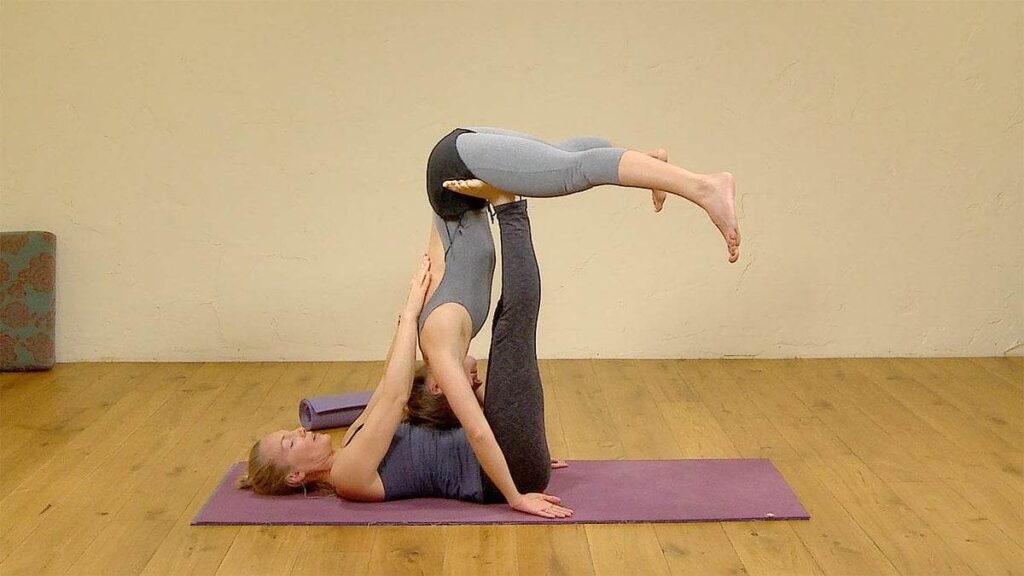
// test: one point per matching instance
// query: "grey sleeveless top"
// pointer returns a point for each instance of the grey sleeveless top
(427, 463)
(469, 266)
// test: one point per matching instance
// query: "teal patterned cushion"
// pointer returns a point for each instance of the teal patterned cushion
(28, 270)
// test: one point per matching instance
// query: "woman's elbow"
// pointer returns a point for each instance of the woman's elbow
(476, 434)
(399, 398)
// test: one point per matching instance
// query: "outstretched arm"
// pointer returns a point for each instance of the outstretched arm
(355, 467)
(451, 378)
(434, 266)
(399, 340)
(453, 382)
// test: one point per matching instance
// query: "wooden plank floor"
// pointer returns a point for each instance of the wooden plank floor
(908, 466)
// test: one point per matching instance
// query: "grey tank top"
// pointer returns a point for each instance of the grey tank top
(427, 463)
(468, 266)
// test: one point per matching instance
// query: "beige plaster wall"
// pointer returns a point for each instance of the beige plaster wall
(235, 181)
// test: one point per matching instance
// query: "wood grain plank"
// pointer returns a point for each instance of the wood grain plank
(688, 431)
(480, 550)
(330, 549)
(584, 413)
(35, 434)
(97, 460)
(664, 382)
(560, 550)
(899, 477)
(17, 385)
(833, 539)
(223, 437)
(275, 549)
(978, 484)
(698, 548)
(148, 495)
(553, 549)
(997, 407)
(635, 416)
(258, 550)
(884, 465)
(408, 550)
(1004, 368)
(958, 428)
(29, 402)
(624, 549)
(552, 414)
(696, 431)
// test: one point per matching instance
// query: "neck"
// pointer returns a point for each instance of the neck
(322, 474)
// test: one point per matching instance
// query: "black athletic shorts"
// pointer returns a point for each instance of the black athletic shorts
(445, 164)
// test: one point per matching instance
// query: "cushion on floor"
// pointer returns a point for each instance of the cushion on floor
(28, 270)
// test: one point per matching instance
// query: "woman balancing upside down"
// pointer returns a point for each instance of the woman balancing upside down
(500, 451)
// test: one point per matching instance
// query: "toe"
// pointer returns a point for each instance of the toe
(658, 201)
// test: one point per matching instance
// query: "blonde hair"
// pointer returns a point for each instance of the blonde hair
(425, 408)
(265, 477)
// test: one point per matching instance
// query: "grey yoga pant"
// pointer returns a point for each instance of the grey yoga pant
(514, 403)
(517, 163)
(528, 166)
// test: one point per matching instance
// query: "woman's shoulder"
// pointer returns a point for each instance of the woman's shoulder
(346, 486)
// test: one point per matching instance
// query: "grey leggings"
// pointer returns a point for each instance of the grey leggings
(514, 403)
(528, 166)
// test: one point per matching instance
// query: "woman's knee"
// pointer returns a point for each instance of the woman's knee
(538, 479)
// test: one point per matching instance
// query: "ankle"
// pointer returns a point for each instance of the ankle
(702, 187)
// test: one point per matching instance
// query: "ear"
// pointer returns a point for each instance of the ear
(295, 479)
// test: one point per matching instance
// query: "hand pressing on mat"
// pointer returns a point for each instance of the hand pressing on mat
(544, 505)
(556, 464)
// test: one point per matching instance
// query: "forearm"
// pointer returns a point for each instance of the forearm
(493, 462)
(380, 385)
(391, 384)
(400, 366)
(457, 388)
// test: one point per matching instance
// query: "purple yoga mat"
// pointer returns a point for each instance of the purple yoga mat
(598, 491)
(332, 411)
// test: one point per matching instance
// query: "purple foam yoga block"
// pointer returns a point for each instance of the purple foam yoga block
(332, 411)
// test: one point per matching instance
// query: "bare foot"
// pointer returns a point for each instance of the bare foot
(658, 196)
(720, 205)
(480, 189)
